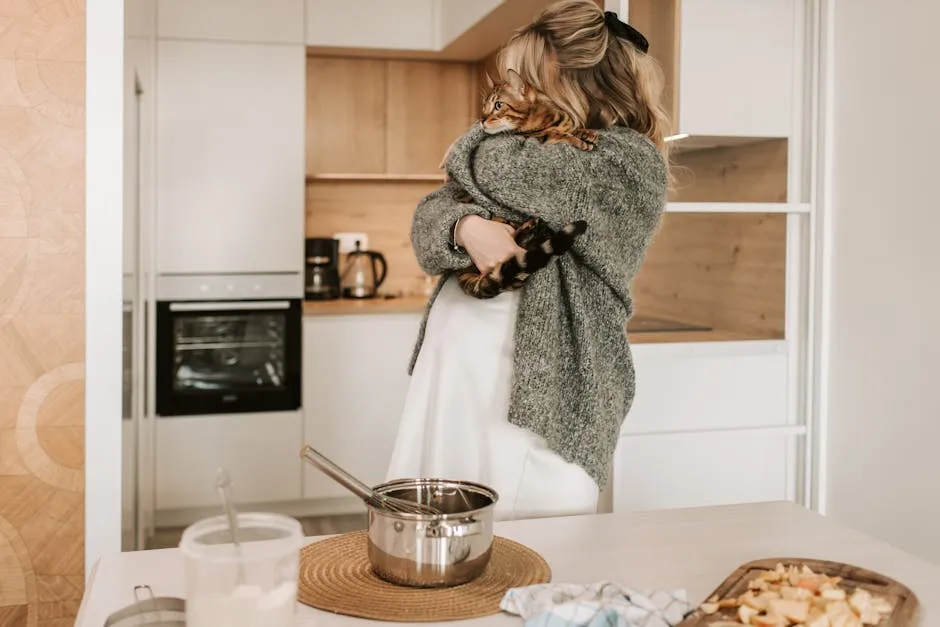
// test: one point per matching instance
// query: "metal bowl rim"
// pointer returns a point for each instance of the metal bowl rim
(479, 488)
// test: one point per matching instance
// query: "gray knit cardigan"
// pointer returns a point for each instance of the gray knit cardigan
(573, 378)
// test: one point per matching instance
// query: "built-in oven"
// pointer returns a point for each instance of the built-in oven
(238, 356)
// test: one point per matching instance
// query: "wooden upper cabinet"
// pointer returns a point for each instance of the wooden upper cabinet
(380, 117)
(346, 111)
(258, 21)
(429, 106)
(729, 64)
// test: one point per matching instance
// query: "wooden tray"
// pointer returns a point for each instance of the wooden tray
(906, 607)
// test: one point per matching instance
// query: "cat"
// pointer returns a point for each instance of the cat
(513, 106)
(540, 244)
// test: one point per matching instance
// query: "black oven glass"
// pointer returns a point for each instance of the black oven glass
(242, 358)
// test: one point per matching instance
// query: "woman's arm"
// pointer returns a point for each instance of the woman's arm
(521, 174)
(554, 181)
(432, 230)
(619, 189)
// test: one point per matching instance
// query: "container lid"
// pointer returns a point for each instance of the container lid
(261, 536)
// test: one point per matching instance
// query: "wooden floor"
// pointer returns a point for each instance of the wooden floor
(169, 537)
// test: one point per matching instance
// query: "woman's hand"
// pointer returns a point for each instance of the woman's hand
(488, 243)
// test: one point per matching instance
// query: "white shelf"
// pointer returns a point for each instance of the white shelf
(697, 434)
(738, 207)
(375, 176)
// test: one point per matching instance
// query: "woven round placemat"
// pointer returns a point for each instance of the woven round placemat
(335, 576)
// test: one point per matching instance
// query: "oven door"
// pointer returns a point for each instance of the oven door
(228, 357)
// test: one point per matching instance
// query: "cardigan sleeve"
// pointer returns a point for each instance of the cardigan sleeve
(518, 173)
(432, 230)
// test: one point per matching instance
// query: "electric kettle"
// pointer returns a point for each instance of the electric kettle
(365, 272)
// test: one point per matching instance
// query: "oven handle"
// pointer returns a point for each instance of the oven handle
(231, 305)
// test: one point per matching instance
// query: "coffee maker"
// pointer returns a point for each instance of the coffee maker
(322, 268)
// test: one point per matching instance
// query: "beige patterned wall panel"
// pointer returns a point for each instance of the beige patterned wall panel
(42, 145)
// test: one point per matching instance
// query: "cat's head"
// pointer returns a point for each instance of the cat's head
(508, 104)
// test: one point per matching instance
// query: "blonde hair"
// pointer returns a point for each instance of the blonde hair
(600, 80)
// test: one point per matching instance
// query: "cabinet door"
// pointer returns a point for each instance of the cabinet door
(263, 21)
(429, 105)
(230, 151)
(398, 25)
(346, 111)
(723, 385)
(260, 451)
(736, 68)
(355, 382)
(699, 470)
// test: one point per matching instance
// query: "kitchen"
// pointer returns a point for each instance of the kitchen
(265, 142)
(735, 319)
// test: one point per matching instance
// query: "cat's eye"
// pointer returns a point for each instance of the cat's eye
(498, 105)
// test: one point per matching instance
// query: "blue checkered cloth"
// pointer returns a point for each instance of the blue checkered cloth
(602, 604)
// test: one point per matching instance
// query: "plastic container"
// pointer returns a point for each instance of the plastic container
(253, 585)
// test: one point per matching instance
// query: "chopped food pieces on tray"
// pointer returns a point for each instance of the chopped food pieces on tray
(796, 596)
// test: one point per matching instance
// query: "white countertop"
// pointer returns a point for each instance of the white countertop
(693, 549)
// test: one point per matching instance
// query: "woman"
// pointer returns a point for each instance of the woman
(526, 392)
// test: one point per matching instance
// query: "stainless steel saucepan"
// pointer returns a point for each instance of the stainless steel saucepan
(432, 551)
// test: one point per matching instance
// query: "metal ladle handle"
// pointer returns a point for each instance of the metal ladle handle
(338, 474)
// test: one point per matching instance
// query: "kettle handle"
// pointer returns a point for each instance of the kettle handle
(379, 276)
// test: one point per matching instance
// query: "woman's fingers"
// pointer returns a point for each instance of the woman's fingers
(488, 243)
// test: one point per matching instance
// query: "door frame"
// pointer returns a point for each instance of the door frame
(104, 193)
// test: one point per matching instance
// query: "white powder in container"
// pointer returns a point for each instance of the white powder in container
(246, 606)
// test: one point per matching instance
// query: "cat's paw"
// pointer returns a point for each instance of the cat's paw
(578, 227)
(587, 139)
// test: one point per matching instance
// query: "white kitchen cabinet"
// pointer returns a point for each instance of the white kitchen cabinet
(355, 378)
(389, 25)
(709, 426)
(230, 142)
(261, 21)
(729, 65)
(720, 385)
(260, 451)
(736, 67)
(701, 469)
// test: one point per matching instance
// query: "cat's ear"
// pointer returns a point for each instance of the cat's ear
(489, 81)
(516, 83)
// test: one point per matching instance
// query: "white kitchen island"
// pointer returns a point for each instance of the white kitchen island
(693, 549)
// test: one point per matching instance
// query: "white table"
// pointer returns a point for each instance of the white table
(693, 549)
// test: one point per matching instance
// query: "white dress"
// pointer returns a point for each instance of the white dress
(454, 424)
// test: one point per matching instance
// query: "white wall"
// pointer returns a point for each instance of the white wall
(884, 377)
(455, 17)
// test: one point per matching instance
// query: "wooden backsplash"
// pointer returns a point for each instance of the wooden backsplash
(723, 270)
(383, 210)
(42, 255)
(751, 172)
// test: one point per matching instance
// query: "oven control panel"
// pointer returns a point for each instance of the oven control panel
(229, 287)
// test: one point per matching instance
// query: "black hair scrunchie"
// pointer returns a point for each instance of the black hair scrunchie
(625, 31)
